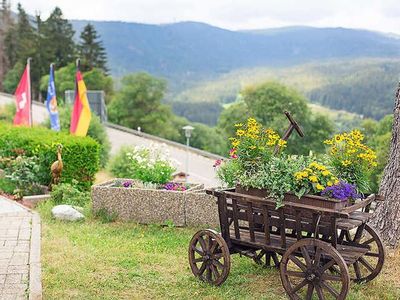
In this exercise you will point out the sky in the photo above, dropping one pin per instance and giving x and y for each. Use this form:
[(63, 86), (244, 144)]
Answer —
[(379, 15)]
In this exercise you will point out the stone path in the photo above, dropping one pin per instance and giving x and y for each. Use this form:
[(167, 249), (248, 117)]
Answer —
[(19, 262)]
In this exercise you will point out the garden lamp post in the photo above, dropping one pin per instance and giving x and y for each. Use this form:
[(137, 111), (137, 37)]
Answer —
[(188, 132)]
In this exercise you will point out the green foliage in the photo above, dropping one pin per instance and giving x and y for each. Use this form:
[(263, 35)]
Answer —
[(7, 186), (60, 38), (91, 50), (228, 172), (65, 193), (23, 172), (80, 155), (267, 102), (7, 112), (119, 165), (96, 130), (95, 79), (277, 176), (351, 159), (201, 112), (138, 104), (12, 78), (147, 165), (104, 216), (378, 136)]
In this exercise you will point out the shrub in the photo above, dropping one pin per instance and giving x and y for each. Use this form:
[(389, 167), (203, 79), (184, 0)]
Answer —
[(7, 112), (66, 193), (96, 131), (80, 154), (145, 164), (23, 173)]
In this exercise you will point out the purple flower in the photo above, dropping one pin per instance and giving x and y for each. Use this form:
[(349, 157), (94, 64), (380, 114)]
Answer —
[(127, 184), (175, 186), (342, 191)]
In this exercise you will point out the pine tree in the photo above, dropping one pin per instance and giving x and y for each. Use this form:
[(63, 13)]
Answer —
[(59, 34), (91, 50), (5, 24)]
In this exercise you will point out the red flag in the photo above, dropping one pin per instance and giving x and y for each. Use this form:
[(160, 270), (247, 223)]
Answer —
[(23, 100)]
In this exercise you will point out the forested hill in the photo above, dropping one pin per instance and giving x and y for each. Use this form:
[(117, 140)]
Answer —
[(190, 50)]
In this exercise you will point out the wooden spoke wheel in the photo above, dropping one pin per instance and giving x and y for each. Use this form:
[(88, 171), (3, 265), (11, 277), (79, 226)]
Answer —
[(209, 257), (305, 271), (368, 266), (267, 259)]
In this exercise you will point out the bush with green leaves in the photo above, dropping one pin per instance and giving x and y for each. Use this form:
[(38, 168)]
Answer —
[(228, 171), (96, 130), (23, 173), (66, 193), (80, 155), (146, 164), (7, 112)]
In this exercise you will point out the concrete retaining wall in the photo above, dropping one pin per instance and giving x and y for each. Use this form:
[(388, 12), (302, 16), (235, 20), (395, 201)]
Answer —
[(146, 206)]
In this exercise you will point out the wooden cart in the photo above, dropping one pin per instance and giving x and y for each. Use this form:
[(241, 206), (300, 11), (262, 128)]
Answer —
[(318, 250)]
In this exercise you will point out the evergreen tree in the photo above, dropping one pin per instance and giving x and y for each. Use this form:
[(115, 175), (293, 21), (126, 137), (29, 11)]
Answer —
[(58, 38), (5, 24), (91, 50)]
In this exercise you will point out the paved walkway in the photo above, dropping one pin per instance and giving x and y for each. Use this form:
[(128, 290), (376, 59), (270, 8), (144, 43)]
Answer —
[(19, 252)]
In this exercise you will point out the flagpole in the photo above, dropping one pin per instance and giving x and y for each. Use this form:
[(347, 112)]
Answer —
[(78, 64), (28, 63)]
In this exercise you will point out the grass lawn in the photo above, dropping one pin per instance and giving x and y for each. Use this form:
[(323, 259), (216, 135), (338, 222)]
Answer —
[(95, 260)]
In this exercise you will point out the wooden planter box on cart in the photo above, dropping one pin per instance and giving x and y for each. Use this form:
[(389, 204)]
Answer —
[(316, 234)]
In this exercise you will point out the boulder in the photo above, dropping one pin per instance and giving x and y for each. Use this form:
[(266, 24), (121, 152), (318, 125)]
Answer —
[(66, 213)]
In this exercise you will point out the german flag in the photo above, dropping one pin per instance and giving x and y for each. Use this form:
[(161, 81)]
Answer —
[(81, 114)]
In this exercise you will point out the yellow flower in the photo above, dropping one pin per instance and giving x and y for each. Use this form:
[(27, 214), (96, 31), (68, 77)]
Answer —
[(282, 143), (238, 125), (240, 132), (326, 173), (319, 187), (313, 178), (328, 142), (329, 183), (346, 162), (338, 137), (252, 147)]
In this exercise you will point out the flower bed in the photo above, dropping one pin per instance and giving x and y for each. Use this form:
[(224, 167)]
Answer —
[(258, 165), (132, 200)]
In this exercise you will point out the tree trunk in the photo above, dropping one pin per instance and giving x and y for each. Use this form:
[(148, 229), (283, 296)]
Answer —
[(387, 214)]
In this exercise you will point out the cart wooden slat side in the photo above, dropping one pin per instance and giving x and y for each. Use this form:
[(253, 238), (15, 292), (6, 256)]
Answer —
[(318, 240)]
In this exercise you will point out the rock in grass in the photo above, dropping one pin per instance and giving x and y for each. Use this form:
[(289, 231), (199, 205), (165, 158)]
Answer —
[(66, 213)]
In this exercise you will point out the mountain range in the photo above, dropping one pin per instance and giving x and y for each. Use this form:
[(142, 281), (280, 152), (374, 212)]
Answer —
[(206, 66), (190, 50)]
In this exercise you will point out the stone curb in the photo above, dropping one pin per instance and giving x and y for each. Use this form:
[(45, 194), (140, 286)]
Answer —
[(35, 273)]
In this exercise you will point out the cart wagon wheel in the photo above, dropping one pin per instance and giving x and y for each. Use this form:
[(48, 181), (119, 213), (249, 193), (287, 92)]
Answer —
[(266, 259), (305, 271), (368, 266), (209, 257)]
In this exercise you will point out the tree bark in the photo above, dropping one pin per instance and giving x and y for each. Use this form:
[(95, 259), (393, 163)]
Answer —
[(387, 215)]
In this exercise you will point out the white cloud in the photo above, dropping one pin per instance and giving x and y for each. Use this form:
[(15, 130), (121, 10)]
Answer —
[(382, 15)]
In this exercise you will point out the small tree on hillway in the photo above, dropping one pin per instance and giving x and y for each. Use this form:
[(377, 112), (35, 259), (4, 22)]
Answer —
[(387, 215), (91, 50)]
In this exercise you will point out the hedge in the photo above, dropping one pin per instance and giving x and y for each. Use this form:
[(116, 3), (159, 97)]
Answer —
[(80, 155)]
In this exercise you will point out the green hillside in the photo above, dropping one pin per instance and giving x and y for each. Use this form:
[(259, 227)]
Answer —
[(364, 86)]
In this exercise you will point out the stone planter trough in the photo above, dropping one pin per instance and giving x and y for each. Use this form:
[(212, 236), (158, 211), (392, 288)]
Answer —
[(192, 207)]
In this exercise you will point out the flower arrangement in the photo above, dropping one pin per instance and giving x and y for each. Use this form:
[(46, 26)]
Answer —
[(253, 144), (314, 179), (351, 160), (257, 160)]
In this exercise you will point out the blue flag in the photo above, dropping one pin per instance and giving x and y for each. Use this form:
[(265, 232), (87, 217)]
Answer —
[(51, 102)]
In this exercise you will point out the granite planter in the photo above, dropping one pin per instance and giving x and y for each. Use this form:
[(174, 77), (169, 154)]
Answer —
[(192, 207)]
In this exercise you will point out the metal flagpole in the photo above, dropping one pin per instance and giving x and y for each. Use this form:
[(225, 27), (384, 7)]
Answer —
[(28, 63)]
